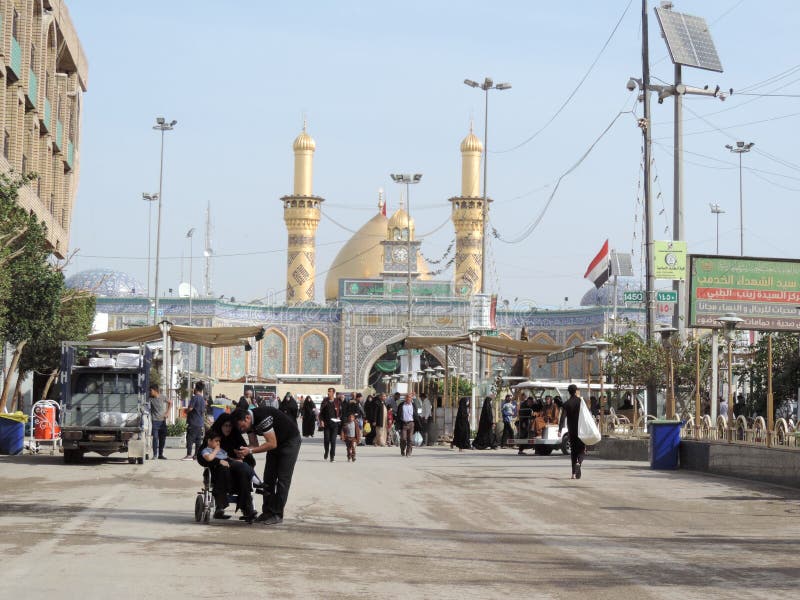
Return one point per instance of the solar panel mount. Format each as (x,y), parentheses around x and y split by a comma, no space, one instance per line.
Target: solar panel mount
(688,40)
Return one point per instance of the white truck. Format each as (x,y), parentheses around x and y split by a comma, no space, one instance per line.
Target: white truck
(104,402)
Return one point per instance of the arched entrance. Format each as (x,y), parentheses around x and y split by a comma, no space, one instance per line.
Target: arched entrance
(389,363)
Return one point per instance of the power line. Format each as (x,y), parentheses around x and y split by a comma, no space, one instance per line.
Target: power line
(574,91)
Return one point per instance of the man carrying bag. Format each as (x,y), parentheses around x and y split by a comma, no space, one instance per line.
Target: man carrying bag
(581,427)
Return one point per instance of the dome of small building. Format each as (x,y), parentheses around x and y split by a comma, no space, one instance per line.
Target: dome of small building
(605,297)
(304,142)
(471,143)
(106,282)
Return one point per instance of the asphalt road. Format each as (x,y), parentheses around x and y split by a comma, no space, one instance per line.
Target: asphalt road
(441,524)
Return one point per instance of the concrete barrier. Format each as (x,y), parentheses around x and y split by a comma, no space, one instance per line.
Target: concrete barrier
(622,449)
(771,465)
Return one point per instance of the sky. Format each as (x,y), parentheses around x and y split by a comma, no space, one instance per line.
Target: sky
(381,87)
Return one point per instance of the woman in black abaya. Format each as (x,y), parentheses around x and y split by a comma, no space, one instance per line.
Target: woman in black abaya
(486,438)
(461,428)
(309,417)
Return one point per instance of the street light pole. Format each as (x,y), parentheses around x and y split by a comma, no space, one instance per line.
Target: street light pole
(729,322)
(408,180)
(487,85)
(740,148)
(716,210)
(162,126)
(149,198)
(474,336)
(190,235)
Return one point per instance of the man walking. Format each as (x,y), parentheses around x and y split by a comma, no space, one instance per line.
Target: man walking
(509,410)
(195,425)
(427,419)
(282,445)
(570,414)
(330,417)
(159,407)
(405,425)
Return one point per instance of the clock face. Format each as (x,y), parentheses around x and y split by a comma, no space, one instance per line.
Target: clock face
(400,255)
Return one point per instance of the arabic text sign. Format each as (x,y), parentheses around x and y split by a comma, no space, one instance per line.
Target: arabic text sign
(669,260)
(763,292)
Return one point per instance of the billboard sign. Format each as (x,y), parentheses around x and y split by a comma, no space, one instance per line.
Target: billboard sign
(764,292)
(669,260)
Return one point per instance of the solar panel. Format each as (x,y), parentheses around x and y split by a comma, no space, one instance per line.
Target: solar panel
(688,40)
(621,264)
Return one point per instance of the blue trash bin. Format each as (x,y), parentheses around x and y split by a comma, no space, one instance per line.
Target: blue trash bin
(665,439)
(12,436)
(216,412)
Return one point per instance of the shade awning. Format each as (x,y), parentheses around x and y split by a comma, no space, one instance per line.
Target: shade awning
(497,344)
(210,337)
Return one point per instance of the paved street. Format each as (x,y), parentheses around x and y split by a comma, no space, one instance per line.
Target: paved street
(438,525)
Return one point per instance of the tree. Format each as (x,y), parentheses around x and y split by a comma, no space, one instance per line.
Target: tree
(785,371)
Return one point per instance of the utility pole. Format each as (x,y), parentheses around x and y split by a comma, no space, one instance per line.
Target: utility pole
(644,123)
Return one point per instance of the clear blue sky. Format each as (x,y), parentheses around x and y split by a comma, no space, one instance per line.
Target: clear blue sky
(381,85)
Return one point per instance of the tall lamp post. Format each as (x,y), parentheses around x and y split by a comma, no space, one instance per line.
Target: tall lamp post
(487,85)
(474,336)
(729,322)
(666,336)
(602,347)
(740,148)
(162,126)
(149,198)
(190,235)
(408,180)
(716,210)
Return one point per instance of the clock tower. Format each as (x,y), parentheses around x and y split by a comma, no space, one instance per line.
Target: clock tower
(399,240)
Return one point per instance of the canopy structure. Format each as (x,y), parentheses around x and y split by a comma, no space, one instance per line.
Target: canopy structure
(210,337)
(496,344)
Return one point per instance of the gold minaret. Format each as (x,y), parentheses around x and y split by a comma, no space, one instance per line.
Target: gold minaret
(301,212)
(468,218)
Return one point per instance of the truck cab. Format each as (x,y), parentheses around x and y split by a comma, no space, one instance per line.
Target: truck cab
(104,404)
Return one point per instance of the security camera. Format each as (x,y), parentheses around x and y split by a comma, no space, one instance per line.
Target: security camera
(631,85)
(160,120)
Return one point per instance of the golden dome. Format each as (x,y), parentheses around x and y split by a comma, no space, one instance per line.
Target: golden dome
(304,142)
(400,221)
(360,258)
(471,143)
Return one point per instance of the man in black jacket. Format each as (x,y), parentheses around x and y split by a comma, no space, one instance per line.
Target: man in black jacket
(571,414)
(282,445)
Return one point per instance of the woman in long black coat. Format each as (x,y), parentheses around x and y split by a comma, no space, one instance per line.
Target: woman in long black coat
(461,428)
(485,438)
(309,417)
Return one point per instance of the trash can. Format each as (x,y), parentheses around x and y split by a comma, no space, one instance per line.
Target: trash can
(665,439)
(217,410)
(12,435)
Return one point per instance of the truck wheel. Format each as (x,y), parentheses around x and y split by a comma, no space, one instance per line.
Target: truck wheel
(565,446)
(72,457)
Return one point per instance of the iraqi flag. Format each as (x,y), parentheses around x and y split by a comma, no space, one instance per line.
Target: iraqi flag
(599,268)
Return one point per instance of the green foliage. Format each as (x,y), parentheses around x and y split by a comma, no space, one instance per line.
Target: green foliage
(459,387)
(785,371)
(634,363)
(176,429)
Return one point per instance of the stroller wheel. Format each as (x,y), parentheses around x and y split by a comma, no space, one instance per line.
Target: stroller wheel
(199,508)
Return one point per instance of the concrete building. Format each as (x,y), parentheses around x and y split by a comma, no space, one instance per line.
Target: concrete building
(43,78)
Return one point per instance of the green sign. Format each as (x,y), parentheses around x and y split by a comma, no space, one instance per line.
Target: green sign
(763,292)
(633,296)
(554,357)
(667,296)
(669,259)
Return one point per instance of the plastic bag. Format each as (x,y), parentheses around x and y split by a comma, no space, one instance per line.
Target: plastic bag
(417,439)
(367,428)
(587,428)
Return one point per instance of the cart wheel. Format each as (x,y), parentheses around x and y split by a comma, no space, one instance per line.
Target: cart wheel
(565,446)
(199,507)
(140,461)
(131,461)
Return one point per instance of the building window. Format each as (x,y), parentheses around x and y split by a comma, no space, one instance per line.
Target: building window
(33,58)
(15,25)
(6,144)
(24,164)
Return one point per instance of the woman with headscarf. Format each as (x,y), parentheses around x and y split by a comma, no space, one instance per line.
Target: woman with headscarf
(485,438)
(288,406)
(461,428)
(309,417)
